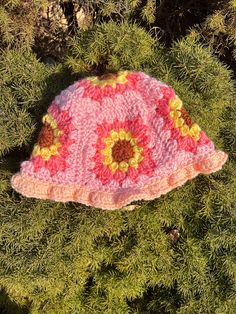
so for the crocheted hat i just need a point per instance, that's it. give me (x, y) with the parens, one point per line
(109, 140)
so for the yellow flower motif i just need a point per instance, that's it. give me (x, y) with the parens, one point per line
(133, 162)
(109, 142)
(114, 135)
(128, 136)
(122, 134)
(114, 166)
(179, 123)
(185, 130)
(133, 141)
(48, 141)
(123, 166)
(182, 120)
(195, 131)
(126, 154)
(36, 150)
(56, 132)
(107, 151)
(110, 79)
(107, 160)
(54, 148)
(175, 114)
(50, 120)
(45, 153)
(176, 103)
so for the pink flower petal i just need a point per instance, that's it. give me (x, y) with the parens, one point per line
(62, 151)
(56, 163)
(98, 168)
(103, 129)
(146, 167)
(119, 176)
(54, 109)
(105, 174)
(133, 174)
(62, 119)
(162, 107)
(143, 140)
(168, 124)
(98, 157)
(100, 144)
(38, 162)
(168, 92)
(175, 133)
(63, 138)
(203, 140)
(127, 125)
(187, 143)
(115, 125)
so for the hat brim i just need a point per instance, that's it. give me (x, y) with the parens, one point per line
(32, 187)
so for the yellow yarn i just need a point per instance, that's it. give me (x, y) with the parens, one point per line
(123, 166)
(176, 115)
(176, 103)
(110, 141)
(121, 78)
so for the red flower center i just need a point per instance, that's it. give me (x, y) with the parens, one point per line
(186, 117)
(46, 136)
(122, 151)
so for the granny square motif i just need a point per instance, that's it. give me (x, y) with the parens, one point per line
(112, 139)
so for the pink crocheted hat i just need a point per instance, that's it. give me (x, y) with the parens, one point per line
(109, 140)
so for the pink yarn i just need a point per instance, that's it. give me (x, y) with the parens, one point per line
(97, 93)
(115, 142)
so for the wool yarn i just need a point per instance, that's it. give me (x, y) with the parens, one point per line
(109, 140)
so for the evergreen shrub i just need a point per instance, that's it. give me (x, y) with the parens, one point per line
(70, 258)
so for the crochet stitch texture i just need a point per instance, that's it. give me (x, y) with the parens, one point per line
(109, 140)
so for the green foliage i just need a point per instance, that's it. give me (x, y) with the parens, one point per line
(122, 10)
(8, 306)
(18, 93)
(110, 47)
(69, 258)
(209, 83)
(17, 22)
(23, 81)
(218, 31)
(232, 4)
